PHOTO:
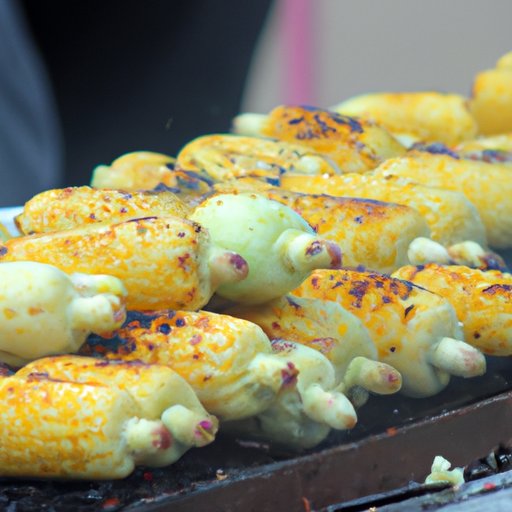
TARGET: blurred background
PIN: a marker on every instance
(84, 82)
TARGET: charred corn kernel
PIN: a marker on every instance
(424, 116)
(224, 157)
(227, 361)
(66, 208)
(60, 429)
(491, 101)
(278, 244)
(415, 331)
(44, 311)
(331, 330)
(449, 214)
(163, 261)
(423, 251)
(304, 412)
(140, 170)
(353, 145)
(160, 393)
(487, 186)
(482, 301)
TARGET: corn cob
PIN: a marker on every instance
(415, 331)
(279, 245)
(487, 186)
(424, 116)
(140, 170)
(163, 261)
(227, 361)
(160, 394)
(370, 233)
(354, 145)
(491, 99)
(45, 311)
(304, 411)
(337, 334)
(482, 301)
(449, 214)
(224, 157)
(59, 209)
(470, 254)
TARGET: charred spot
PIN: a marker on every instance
(237, 261)
(180, 322)
(392, 349)
(324, 127)
(358, 219)
(358, 290)
(314, 248)
(496, 288)
(92, 216)
(353, 123)
(492, 261)
(123, 210)
(314, 282)
(275, 182)
(153, 217)
(296, 120)
(164, 328)
(197, 227)
(207, 377)
(3, 250)
(164, 188)
(276, 326)
(436, 148)
(337, 284)
(408, 309)
(386, 299)
(289, 375)
(292, 303)
(143, 318)
(476, 335)
(181, 234)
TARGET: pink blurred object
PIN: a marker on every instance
(296, 29)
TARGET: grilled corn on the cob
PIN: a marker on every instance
(424, 116)
(415, 331)
(487, 186)
(44, 311)
(163, 261)
(227, 361)
(278, 244)
(66, 208)
(449, 214)
(354, 145)
(482, 301)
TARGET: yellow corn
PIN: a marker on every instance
(44, 311)
(415, 331)
(449, 214)
(227, 361)
(328, 328)
(423, 116)
(354, 145)
(482, 300)
(487, 186)
(500, 143)
(160, 393)
(140, 170)
(58, 209)
(224, 157)
(163, 261)
(51, 428)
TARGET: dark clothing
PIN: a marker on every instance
(143, 75)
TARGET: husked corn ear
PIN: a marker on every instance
(224, 157)
(425, 116)
(44, 311)
(140, 170)
(163, 261)
(354, 145)
(448, 213)
(415, 331)
(304, 411)
(160, 393)
(331, 330)
(227, 361)
(470, 254)
(487, 186)
(59, 209)
(279, 246)
(482, 301)
(491, 100)
(60, 429)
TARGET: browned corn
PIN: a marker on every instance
(354, 145)
(487, 186)
(227, 361)
(482, 300)
(163, 261)
(412, 328)
(66, 208)
(449, 214)
(424, 116)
